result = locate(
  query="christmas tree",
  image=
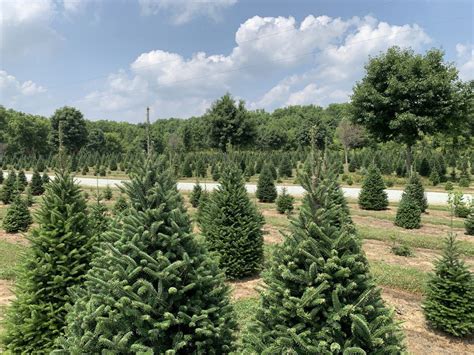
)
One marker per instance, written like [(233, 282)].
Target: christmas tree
[(45, 178), (266, 190), (36, 184), (319, 296), (372, 195), (469, 223), (17, 218), (58, 257), (1, 176), (195, 195), (8, 188), (284, 202), (449, 303), (232, 226), (416, 190), (155, 289), (408, 213), (285, 169), (21, 181)]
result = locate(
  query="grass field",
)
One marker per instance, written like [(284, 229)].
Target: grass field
[(403, 279)]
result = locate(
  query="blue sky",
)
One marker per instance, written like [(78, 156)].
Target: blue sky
[(112, 58)]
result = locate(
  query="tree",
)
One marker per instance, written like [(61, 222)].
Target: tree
[(37, 187), (120, 205), (17, 218), (284, 202), (319, 296), (404, 96), (285, 169), (408, 213), (229, 123), (73, 128), (8, 188), (469, 223), (21, 181), (232, 226), (195, 195), (372, 195), (45, 178), (350, 135), (58, 257), (266, 190), (153, 288), (449, 302), (1, 176), (108, 194), (416, 190)]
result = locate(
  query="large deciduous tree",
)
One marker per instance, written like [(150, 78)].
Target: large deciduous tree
[(404, 96), (73, 127), (350, 135)]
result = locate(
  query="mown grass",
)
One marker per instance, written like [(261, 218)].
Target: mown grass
[(400, 277), (10, 255)]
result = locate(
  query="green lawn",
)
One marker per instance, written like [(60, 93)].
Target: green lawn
[(10, 254)]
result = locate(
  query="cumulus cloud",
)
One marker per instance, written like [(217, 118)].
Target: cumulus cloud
[(465, 53), (183, 11), (15, 93), (327, 53)]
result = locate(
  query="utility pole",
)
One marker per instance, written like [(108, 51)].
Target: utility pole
[(148, 143)]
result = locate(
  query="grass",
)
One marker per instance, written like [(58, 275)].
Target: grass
[(10, 254), (400, 277)]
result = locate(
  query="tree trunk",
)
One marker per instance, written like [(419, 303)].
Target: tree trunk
[(409, 159)]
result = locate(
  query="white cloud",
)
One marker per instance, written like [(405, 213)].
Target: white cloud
[(332, 50), (183, 11), (465, 53), (14, 93)]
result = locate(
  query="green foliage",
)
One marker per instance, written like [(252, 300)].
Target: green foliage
[(17, 218), (120, 205), (284, 202), (285, 169), (434, 177), (449, 186), (266, 190), (461, 207), (187, 170), (469, 223), (408, 213), (108, 193), (8, 188), (425, 169), (99, 219), (319, 296), (449, 303), (154, 288), (21, 181), (37, 187), (232, 226), (45, 178), (1, 176), (402, 250), (372, 195), (415, 189), (73, 127), (195, 195), (58, 257), (29, 197)]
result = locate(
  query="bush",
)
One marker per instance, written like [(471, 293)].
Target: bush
[(266, 190), (372, 195), (284, 202), (45, 179), (402, 250), (464, 182), (17, 218), (408, 213), (460, 206), (389, 182), (449, 302), (349, 181), (449, 186), (285, 170), (120, 205), (434, 177)]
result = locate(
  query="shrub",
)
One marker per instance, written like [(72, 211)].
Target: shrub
[(460, 206), (464, 182), (449, 186), (45, 179), (402, 250), (108, 193), (449, 302), (232, 226), (434, 177), (349, 181), (17, 218), (266, 190), (285, 169), (389, 182), (1, 176), (120, 205), (284, 202), (372, 195)]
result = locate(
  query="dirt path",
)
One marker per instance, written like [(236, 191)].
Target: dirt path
[(6, 295), (14, 238)]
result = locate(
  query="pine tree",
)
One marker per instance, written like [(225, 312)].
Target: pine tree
[(319, 296), (1, 176), (425, 168), (372, 195), (285, 169), (154, 289), (266, 190), (284, 202), (449, 303), (36, 184), (99, 220), (21, 181), (408, 213), (45, 178), (29, 197), (58, 257), (120, 205), (108, 194), (195, 195), (416, 190), (469, 223), (17, 218), (434, 177), (187, 170), (232, 226), (8, 188)]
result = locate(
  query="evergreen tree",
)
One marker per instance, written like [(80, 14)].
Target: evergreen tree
[(29, 197), (154, 289), (434, 177), (1, 176), (21, 181), (372, 195), (416, 190), (45, 178), (284, 202), (449, 303), (469, 223), (232, 226), (319, 296), (99, 220), (195, 195), (58, 257), (266, 190), (108, 193), (285, 169), (408, 213), (8, 188), (36, 184), (17, 218), (120, 205), (425, 168), (187, 170)]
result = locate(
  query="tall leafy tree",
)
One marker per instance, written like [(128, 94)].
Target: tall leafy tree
[(58, 257), (319, 296), (404, 96), (73, 126), (154, 288)]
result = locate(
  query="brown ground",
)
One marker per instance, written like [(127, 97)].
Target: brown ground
[(6, 295), (271, 235), (14, 238)]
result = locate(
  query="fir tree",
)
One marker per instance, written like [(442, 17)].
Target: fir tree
[(319, 296), (469, 223), (58, 257), (36, 184), (45, 178), (17, 218), (155, 288), (195, 195), (372, 195), (21, 181), (449, 303), (108, 194), (266, 190), (29, 197), (284, 202), (408, 213), (120, 205), (232, 227), (99, 220), (1, 176), (187, 170), (285, 169), (434, 177), (8, 188), (425, 168), (416, 190)]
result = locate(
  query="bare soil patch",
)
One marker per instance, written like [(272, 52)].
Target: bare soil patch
[(245, 288), (14, 238), (6, 294), (271, 235)]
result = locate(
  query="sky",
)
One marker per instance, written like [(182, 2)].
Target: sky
[(113, 58)]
